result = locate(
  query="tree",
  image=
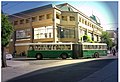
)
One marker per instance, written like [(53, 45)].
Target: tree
[(6, 31), (105, 38), (86, 38)]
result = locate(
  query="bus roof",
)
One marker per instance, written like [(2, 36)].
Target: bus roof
[(27, 44), (94, 43)]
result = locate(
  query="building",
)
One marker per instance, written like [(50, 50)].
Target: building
[(53, 23), (113, 35)]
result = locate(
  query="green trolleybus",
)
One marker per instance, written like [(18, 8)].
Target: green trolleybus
[(66, 50)]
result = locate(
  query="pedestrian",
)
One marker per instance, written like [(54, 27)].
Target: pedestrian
[(113, 51)]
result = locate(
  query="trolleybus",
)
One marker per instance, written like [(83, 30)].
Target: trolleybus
[(66, 50)]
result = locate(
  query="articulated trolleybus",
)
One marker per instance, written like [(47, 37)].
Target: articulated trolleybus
[(66, 50)]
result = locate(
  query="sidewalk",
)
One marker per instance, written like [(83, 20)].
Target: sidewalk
[(12, 63), (108, 74)]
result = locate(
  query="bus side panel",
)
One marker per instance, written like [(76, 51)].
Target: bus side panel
[(55, 53), (89, 53), (31, 53), (49, 54)]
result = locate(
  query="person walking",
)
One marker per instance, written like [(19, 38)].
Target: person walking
[(113, 51)]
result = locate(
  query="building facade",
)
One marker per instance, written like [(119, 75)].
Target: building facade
[(52, 23), (113, 35)]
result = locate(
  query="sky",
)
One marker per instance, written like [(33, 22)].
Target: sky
[(105, 11)]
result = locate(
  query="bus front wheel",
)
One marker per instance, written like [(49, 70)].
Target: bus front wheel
[(64, 56), (96, 55), (39, 56)]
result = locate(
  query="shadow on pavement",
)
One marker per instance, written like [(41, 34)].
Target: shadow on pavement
[(66, 73)]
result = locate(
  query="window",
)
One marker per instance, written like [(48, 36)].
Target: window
[(96, 47), (66, 32), (28, 20), (88, 24), (92, 26), (34, 19), (23, 34), (41, 17), (49, 16), (85, 22), (100, 47), (72, 18), (64, 18), (57, 16), (50, 35), (22, 21), (15, 22), (45, 35), (43, 32), (80, 19)]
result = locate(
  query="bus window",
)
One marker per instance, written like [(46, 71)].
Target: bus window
[(54, 47), (92, 46), (105, 47), (65, 47), (36, 47), (58, 47), (62, 47), (69, 47), (100, 47), (30, 47), (89, 46), (95, 47), (44, 47), (49, 47), (85, 47)]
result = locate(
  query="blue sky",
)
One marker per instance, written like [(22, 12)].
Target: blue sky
[(106, 11)]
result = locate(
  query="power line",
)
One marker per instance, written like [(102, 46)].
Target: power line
[(4, 4), (14, 5)]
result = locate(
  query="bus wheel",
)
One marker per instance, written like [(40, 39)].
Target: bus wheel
[(64, 56), (39, 56), (96, 55)]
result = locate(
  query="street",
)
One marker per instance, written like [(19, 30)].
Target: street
[(66, 73)]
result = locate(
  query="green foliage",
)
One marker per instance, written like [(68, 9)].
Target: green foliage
[(105, 38), (86, 38), (6, 30)]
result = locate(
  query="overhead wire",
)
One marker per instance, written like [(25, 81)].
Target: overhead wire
[(14, 5)]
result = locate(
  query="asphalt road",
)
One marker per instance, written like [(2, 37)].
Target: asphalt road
[(69, 73)]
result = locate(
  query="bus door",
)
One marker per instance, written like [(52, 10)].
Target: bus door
[(76, 51)]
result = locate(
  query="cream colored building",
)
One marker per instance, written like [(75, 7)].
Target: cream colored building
[(52, 23)]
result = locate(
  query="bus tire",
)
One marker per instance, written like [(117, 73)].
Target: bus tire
[(96, 55), (64, 55), (39, 56)]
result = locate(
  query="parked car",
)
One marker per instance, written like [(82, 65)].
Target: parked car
[(108, 51), (9, 56)]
